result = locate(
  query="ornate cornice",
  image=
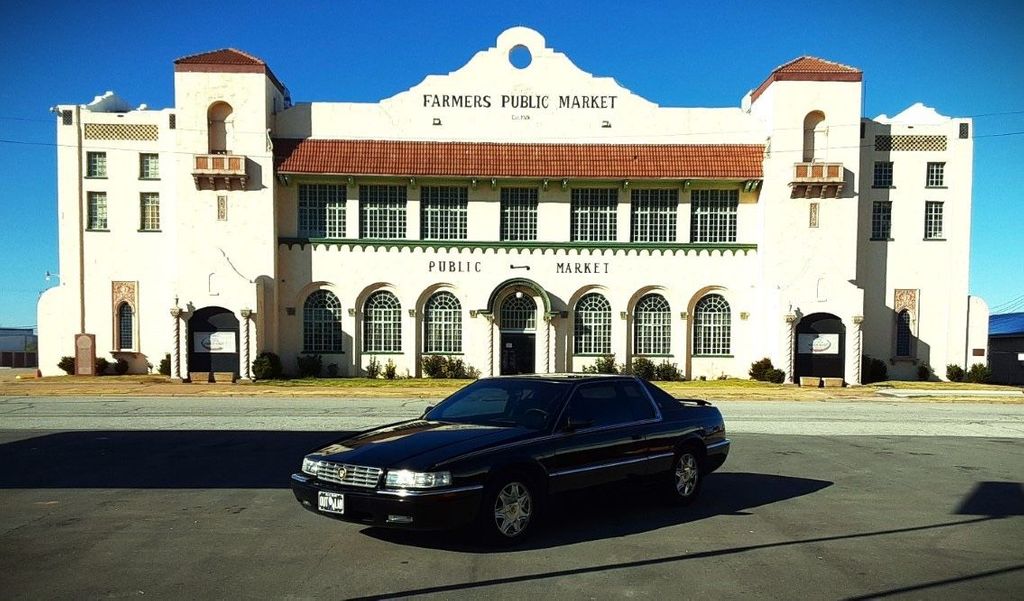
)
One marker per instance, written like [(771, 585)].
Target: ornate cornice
[(504, 247)]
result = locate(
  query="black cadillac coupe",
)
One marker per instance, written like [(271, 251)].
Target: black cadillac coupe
[(492, 452)]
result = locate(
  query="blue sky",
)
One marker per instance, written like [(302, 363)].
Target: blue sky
[(963, 59)]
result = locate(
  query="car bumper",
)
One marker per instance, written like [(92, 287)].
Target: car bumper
[(408, 510), (716, 454)]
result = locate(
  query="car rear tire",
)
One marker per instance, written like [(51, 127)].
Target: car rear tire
[(686, 477), (509, 509)]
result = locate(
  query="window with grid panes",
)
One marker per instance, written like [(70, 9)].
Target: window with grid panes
[(97, 211), (653, 214), (903, 334), (149, 166), (712, 326), (713, 215), (382, 212), (125, 327), (883, 174), (519, 313), (518, 214), (321, 323), (443, 211), (932, 220), (594, 213), (936, 177), (382, 323), (96, 164), (593, 325), (322, 210), (652, 326), (881, 220), (149, 211), (442, 324)]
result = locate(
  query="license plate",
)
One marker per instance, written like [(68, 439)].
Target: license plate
[(332, 502)]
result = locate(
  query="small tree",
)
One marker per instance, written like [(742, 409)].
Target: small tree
[(67, 363)]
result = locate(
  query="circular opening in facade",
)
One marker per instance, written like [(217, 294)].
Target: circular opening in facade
[(520, 57)]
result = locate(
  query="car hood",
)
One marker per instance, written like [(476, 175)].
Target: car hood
[(399, 444)]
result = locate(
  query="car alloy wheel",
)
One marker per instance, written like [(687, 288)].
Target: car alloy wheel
[(687, 475), (513, 508)]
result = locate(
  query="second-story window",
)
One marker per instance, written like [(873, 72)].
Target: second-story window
[(881, 220), (518, 214), (321, 211), (883, 175), (443, 212), (149, 212), (654, 215), (149, 166), (97, 211), (594, 214), (936, 177), (96, 164), (713, 217), (932, 220), (382, 212)]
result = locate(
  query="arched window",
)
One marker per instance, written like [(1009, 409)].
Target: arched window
[(652, 326), (593, 329), (321, 323), (903, 334), (519, 312), (814, 136), (125, 327), (712, 328), (382, 323), (442, 324), (217, 124)]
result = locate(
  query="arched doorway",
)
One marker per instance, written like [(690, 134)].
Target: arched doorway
[(217, 122), (820, 346), (518, 322), (213, 342)]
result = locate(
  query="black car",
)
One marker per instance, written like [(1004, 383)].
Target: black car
[(493, 451)]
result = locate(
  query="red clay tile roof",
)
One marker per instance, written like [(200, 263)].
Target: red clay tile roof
[(475, 159), (809, 68), (226, 60)]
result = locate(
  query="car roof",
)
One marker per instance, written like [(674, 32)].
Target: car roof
[(561, 377)]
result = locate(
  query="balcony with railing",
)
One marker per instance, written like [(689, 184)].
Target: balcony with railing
[(220, 172), (817, 180)]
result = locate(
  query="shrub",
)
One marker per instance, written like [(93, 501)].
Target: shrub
[(332, 370), (267, 366), (373, 368), (924, 372), (309, 366), (874, 370), (441, 366), (776, 376), (165, 365), (120, 367), (101, 366), (978, 374), (759, 370), (643, 368), (434, 365), (390, 370), (67, 363), (606, 365), (954, 373), (667, 372)]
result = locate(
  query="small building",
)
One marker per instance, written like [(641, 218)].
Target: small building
[(518, 213), (18, 347), (1006, 348)]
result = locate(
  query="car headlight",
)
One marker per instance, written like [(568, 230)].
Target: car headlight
[(309, 464), (409, 479)]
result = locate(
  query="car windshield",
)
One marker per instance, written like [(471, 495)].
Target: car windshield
[(504, 402)]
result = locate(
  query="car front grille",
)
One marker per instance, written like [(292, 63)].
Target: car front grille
[(351, 475)]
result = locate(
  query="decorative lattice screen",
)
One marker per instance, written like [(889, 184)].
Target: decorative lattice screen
[(911, 143), (121, 131)]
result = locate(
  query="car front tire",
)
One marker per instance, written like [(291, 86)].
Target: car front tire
[(509, 510)]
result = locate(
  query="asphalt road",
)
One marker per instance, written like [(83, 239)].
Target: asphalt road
[(188, 513)]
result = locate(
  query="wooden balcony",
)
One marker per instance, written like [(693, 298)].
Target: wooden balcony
[(220, 172), (817, 180)]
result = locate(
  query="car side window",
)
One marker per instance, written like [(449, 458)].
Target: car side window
[(480, 401), (664, 400), (635, 397), (599, 404)]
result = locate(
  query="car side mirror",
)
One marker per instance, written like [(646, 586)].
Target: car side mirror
[(427, 410)]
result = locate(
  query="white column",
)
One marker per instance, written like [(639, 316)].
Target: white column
[(246, 366), (176, 341), (791, 327), (858, 337)]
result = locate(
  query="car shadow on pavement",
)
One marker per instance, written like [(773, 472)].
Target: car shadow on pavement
[(624, 509), (157, 459)]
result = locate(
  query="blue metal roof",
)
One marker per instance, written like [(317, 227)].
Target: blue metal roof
[(1007, 324)]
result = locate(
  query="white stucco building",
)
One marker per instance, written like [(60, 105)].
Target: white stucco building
[(518, 213)]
